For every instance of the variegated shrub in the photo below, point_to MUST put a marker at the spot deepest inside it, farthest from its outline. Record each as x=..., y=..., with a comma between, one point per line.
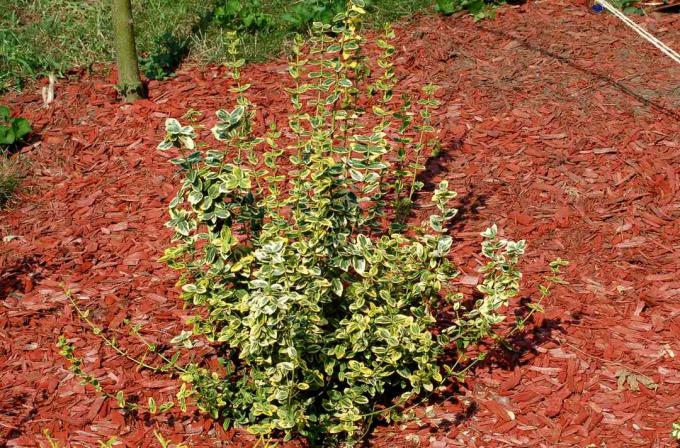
x=294, y=248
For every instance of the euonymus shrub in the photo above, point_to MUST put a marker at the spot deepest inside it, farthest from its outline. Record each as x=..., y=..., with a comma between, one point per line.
x=292, y=245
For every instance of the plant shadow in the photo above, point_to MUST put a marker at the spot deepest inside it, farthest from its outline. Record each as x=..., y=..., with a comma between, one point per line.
x=18, y=277
x=450, y=420
x=508, y=356
x=436, y=167
x=512, y=355
x=13, y=407
x=437, y=164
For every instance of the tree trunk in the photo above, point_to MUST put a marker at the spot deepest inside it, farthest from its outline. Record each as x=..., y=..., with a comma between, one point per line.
x=129, y=83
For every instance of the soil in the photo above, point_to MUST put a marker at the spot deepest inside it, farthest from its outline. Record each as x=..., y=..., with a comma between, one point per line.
x=559, y=125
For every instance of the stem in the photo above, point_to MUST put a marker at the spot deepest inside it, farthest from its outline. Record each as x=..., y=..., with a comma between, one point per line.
x=98, y=331
x=419, y=150
x=129, y=82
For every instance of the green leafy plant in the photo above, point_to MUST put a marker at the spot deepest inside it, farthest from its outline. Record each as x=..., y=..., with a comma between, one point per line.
x=446, y=7
x=324, y=309
x=169, y=51
x=304, y=13
x=478, y=9
x=243, y=15
x=12, y=129
x=301, y=16
x=628, y=6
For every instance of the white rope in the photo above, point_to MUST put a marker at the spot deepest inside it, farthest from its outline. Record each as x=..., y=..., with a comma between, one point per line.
x=665, y=49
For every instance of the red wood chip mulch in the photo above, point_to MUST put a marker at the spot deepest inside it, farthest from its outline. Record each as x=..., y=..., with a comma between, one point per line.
x=570, y=139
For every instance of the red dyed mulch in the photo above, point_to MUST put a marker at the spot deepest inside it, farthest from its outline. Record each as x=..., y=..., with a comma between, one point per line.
x=570, y=139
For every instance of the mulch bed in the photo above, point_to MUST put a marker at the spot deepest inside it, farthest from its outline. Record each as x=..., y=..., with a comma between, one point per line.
x=559, y=125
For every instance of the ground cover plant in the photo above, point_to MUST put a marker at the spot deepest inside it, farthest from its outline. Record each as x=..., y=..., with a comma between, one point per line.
x=628, y=6
x=168, y=53
x=304, y=13
x=39, y=37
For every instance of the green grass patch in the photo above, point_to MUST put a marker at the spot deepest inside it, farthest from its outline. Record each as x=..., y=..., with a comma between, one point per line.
x=38, y=37
x=51, y=36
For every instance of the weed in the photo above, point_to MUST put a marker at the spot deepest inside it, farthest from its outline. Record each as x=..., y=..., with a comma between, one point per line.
x=13, y=130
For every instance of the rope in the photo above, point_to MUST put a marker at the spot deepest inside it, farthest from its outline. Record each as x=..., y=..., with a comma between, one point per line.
x=665, y=49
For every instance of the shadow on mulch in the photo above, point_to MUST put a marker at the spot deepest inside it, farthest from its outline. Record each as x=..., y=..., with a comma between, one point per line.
x=598, y=76
x=506, y=356
x=18, y=277
x=511, y=353
x=511, y=356
x=25, y=143
x=468, y=205
x=16, y=407
x=436, y=164
x=469, y=410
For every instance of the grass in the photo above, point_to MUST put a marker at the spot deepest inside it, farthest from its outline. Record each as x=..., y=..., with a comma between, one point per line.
x=11, y=172
x=38, y=37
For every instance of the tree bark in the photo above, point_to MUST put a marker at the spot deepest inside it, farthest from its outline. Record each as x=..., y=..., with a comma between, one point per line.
x=129, y=83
